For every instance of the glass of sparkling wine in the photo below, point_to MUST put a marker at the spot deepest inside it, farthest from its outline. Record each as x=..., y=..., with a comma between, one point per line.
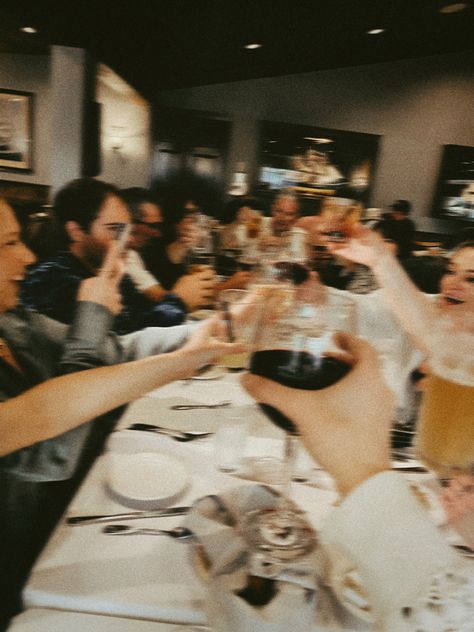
x=445, y=437
x=240, y=312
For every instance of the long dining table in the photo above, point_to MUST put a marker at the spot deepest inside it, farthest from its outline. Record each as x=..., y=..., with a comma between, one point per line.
x=83, y=571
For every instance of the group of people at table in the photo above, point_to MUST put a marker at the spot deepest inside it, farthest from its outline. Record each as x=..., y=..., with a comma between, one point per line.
x=93, y=328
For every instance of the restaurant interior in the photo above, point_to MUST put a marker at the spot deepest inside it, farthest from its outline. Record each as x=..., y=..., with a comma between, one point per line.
x=267, y=139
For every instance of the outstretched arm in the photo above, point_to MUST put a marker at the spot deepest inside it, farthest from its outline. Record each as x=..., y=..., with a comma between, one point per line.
x=414, y=310
x=379, y=530
x=68, y=401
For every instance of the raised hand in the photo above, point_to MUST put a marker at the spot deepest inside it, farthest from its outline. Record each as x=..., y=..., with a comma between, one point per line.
x=362, y=246
x=103, y=289
x=345, y=426
x=204, y=347
x=197, y=289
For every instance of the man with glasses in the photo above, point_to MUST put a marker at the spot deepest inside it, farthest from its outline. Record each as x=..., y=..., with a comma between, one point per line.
x=90, y=214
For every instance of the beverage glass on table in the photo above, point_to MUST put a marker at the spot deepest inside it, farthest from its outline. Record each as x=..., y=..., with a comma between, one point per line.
x=229, y=443
x=445, y=437
x=290, y=349
x=198, y=261
x=240, y=312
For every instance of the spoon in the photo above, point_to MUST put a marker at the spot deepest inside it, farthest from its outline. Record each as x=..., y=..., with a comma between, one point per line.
x=178, y=533
x=179, y=435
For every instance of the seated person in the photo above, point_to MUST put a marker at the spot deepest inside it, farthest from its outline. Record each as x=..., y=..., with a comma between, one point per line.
x=89, y=213
x=284, y=213
x=168, y=258
x=236, y=215
x=379, y=529
x=418, y=313
x=36, y=481
x=399, y=312
x=147, y=217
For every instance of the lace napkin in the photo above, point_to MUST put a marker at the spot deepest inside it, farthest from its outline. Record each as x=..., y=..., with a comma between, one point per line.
x=240, y=597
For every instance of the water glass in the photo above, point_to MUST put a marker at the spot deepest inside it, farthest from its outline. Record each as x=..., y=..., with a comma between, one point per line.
x=230, y=440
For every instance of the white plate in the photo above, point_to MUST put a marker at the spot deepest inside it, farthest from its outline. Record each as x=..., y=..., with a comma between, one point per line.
x=145, y=480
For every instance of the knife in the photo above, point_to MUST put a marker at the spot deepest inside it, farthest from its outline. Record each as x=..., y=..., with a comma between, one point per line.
x=132, y=515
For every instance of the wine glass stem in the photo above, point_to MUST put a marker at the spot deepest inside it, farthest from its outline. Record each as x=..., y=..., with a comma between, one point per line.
x=289, y=461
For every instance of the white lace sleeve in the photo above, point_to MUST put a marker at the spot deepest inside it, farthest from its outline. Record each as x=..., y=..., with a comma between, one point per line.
x=449, y=604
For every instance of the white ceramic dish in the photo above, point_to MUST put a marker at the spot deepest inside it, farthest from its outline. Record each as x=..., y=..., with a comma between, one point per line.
x=145, y=480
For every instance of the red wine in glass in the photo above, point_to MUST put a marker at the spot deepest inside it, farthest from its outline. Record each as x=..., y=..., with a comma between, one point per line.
x=291, y=271
x=295, y=369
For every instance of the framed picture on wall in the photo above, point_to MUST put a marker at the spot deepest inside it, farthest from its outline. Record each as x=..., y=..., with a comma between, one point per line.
x=316, y=162
x=16, y=130
x=454, y=197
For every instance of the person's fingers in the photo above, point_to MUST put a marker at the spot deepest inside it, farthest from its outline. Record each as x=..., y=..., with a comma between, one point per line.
x=264, y=390
x=111, y=266
x=357, y=348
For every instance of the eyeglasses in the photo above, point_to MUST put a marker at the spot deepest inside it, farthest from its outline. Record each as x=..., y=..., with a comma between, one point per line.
x=153, y=225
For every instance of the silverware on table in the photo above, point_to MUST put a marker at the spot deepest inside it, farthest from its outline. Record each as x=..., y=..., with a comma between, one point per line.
x=198, y=406
x=131, y=515
x=178, y=435
x=465, y=551
x=178, y=533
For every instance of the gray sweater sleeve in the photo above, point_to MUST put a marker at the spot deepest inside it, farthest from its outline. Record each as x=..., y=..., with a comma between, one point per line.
x=89, y=343
x=155, y=340
x=85, y=344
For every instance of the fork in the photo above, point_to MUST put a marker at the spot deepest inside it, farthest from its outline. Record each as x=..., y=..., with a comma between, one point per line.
x=178, y=435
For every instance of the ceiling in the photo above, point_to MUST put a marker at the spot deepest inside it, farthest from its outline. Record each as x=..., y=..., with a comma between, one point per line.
x=165, y=44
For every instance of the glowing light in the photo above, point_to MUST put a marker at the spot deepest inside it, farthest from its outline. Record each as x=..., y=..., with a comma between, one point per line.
x=320, y=141
x=453, y=7
x=29, y=29
x=253, y=46
x=377, y=31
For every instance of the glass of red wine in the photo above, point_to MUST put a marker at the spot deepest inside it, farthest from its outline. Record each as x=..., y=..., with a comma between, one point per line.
x=291, y=350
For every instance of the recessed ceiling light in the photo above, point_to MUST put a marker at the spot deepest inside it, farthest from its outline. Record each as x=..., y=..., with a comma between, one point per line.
x=320, y=141
x=28, y=29
x=375, y=31
x=453, y=7
x=253, y=46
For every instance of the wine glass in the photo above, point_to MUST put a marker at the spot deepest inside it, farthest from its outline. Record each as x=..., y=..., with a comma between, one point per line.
x=290, y=349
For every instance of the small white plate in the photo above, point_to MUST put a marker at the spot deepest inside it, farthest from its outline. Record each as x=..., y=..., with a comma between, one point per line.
x=145, y=480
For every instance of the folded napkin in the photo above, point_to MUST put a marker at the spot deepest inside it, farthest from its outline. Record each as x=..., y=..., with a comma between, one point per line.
x=241, y=595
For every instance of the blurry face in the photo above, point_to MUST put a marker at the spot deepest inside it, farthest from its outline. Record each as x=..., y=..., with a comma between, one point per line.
x=147, y=227
x=457, y=285
x=14, y=257
x=244, y=215
x=91, y=247
x=284, y=214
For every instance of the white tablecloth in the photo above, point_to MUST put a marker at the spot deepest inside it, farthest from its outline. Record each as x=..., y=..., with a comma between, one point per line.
x=43, y=620
x=150, y=578
x=83, y=570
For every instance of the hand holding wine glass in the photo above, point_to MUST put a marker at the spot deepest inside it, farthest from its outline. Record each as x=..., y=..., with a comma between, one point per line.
x=342, y=426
